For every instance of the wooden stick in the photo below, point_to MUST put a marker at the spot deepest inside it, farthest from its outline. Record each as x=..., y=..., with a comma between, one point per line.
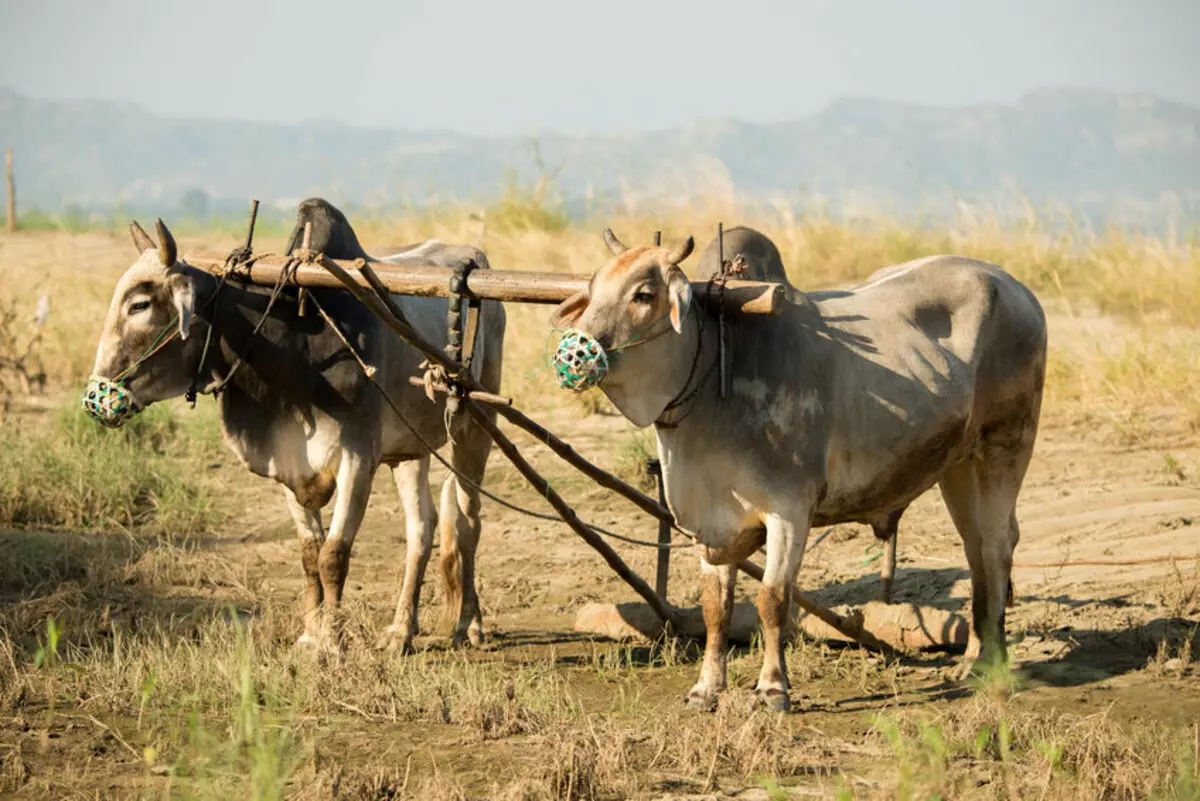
x=10, y=181
x=662, y=570
x=489, y=398
x=740, y=297
x=827, y=616
x=664, y=611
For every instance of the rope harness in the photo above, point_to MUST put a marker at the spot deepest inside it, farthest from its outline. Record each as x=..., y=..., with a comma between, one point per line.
x=110, y=402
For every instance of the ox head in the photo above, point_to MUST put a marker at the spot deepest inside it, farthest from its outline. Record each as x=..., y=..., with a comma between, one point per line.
x=622, y=331
x=144, y=355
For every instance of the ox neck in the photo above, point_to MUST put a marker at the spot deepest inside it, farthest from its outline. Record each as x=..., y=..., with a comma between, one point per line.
x=662, y=382
x=230, y=319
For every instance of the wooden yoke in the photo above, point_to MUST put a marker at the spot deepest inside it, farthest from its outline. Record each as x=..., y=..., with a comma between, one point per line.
x=739, y=297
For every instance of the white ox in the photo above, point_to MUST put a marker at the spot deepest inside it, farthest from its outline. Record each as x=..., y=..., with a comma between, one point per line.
x=844, y=408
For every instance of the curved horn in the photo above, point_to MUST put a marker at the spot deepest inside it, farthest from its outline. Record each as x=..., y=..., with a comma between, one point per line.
x=167, y=252
x=681, y=251
x=141, y=239
x=615, y=246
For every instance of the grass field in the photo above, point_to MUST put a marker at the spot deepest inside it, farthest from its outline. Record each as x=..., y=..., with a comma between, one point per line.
x=150, y=589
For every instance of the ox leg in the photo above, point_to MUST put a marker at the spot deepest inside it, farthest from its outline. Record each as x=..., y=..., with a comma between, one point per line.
x=981, y=497
x=353, y=489
x=460, y=527
x=1014, y=536
x=717, y=603
x=420, y=518
x=887, y=530
x=312, y=536
x=786, y=538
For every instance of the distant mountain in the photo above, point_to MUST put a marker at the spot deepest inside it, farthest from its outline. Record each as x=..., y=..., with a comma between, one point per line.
x=1112, y=156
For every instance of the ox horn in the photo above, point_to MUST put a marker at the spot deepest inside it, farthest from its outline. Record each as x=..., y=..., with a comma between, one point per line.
x=681, y=251
x=615, y=245
x=141, y=239
x=167, y=251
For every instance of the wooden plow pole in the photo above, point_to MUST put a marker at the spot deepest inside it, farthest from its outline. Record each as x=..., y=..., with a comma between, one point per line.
x=374, y=290
x=381, y=303
x=740, y=297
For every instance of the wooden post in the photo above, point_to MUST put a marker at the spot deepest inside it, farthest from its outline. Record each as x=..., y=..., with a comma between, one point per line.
x=663, y=568
x=12, y=190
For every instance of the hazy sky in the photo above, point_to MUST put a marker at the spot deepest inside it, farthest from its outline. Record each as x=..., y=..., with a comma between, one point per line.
x=490, y=66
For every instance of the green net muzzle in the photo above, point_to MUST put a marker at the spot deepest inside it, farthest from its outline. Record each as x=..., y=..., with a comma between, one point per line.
x=579, y=361
x=108, y=402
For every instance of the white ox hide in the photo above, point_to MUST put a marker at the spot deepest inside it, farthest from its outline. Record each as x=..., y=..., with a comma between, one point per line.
x=844, y=408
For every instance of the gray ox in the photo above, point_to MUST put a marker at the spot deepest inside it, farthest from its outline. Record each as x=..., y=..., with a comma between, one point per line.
x=755, y=258
x=844, y=408
x=300, y=410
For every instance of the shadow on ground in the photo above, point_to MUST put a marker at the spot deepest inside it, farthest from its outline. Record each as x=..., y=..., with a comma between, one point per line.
x=95, y=584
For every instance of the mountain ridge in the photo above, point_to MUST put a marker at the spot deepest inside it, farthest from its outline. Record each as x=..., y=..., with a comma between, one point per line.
x=1112, y=155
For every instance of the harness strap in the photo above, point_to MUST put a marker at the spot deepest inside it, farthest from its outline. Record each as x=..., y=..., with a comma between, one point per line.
x=684, y=396
x=287, y=274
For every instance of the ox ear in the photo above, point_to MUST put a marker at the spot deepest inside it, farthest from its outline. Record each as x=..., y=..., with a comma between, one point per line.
x=615, y=246
x=141, y=239
x=569, y=311
x=679, y=290
x=183, y=296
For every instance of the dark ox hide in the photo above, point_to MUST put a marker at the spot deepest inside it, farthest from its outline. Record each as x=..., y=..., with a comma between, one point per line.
x=301, y=411
x=844, y=408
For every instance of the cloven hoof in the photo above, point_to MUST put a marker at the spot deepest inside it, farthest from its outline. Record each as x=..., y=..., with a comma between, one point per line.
x=393, y=640
x=701, y=701
x=775, y=700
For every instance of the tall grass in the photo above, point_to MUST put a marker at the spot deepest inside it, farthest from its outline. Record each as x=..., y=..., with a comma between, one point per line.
x=71, y=473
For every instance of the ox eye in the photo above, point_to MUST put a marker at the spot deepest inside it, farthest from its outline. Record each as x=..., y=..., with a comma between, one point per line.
x=139, y=307
x=643, y=296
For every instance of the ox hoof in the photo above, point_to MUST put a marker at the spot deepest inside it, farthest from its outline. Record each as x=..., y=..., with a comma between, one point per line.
x=701, y=700
x=468, y=639
x=324, y=647
x=394, y=641
x=774, y=700
x=306, y=642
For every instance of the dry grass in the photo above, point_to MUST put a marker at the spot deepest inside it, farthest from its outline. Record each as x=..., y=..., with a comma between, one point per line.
x=981, y=749
x=151, y=664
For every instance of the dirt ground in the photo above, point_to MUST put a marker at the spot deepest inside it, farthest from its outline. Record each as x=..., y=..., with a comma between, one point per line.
x=1089, y=640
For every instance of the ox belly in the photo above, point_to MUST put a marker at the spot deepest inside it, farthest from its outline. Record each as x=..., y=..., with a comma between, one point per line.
x=864, y=482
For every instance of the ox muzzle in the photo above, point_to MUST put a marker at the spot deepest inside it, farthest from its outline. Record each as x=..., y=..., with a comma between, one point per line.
x=579, y=361
x=109, y=402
